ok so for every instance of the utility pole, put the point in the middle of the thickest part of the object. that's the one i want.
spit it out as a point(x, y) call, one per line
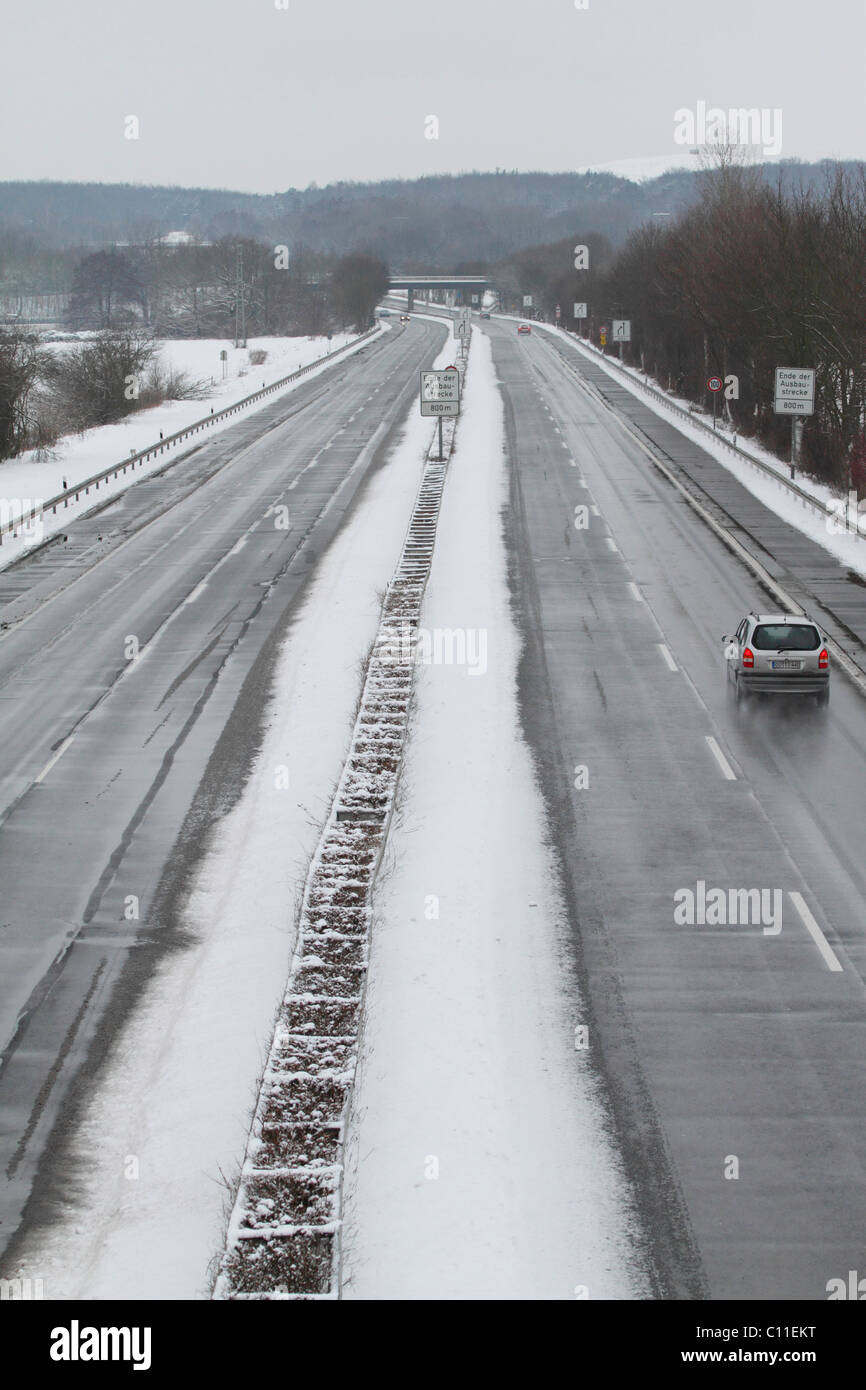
point(240, 303)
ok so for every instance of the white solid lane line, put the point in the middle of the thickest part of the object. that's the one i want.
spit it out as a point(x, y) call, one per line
point(612, 543)
point(720, 758)
point(668, 659)
point(635, 591)
point(831, 960)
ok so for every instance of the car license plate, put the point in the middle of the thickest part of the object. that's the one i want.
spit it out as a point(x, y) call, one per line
point(786, 665)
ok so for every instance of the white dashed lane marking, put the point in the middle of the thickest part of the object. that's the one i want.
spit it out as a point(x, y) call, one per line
point(720, 758)
point(831, 960)
point(51, 761)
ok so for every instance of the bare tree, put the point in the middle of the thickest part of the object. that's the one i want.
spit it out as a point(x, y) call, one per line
point(21, 361)
point(102, 380)
point(357, 284)
point(106, 290)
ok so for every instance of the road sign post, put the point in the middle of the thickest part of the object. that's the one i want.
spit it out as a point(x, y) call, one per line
point(714, 384)
point(580, 314)
point(621, 333)
point(795, 396)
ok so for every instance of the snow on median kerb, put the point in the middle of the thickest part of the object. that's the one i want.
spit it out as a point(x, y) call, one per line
point(180, 1089)
point(479, 1162)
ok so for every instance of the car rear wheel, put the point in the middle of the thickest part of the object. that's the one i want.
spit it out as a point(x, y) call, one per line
point(822, 699)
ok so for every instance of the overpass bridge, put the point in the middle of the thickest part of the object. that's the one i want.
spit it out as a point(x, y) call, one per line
point(464, 286)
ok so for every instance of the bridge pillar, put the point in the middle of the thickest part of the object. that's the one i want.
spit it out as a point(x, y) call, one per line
point(410, 300)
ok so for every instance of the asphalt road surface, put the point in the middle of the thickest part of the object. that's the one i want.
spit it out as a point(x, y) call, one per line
point(114, 765)
point(734, 1055)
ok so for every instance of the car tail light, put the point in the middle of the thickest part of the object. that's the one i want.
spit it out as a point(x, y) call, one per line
point(748, 657)
point(823, 659)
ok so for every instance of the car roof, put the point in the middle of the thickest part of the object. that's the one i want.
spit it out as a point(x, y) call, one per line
point(790, 618)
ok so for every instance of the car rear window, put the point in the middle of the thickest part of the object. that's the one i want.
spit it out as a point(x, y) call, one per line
point(774, 637)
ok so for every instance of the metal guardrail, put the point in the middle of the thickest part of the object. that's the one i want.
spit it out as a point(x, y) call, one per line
point(144, 455)
point(822, 508)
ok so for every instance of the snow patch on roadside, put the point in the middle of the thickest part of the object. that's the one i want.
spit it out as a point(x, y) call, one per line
point(480, 1164)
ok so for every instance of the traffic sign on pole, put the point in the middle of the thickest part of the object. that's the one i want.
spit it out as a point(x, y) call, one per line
point(580, 311)
point(440, 393)
point(795, 391)
point(714, 383)
point(795, 395)
point(622, 330)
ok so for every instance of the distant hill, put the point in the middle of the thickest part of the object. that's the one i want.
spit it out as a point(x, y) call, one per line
point(441, 221)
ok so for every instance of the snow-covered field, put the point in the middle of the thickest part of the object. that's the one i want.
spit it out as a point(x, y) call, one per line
point(479, 1161)
point(30, 480)
point(180, 1090)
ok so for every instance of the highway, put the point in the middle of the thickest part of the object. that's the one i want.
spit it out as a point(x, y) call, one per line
point(135, 664)
point(733, 1055)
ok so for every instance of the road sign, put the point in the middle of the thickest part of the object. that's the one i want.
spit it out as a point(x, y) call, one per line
point(440, 393)
point(622, 330)
point(462, 328)
point(714, 383)
point(558, 311)
point(527, 301)
point(580, 311)
point(795, 391)
point(603, 336)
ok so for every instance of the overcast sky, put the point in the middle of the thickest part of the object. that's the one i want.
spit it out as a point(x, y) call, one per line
point(242, 94)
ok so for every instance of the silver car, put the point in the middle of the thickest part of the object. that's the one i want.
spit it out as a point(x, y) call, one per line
point(778, 654)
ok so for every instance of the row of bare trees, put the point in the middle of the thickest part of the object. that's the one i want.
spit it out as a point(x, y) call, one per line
point(193, 291)
point(750, 278)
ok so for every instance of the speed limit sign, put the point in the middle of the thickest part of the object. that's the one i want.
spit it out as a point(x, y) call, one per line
point(714, 383)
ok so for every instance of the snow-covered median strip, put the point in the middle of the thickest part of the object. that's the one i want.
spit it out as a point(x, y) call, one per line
point(480, 1164)
point(284, 1237)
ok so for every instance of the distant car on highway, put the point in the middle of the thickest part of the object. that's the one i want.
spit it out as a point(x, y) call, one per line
point(778, 654)
point(524, 328)
point(404, 318)
point(484, 314)
point(383, 313)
